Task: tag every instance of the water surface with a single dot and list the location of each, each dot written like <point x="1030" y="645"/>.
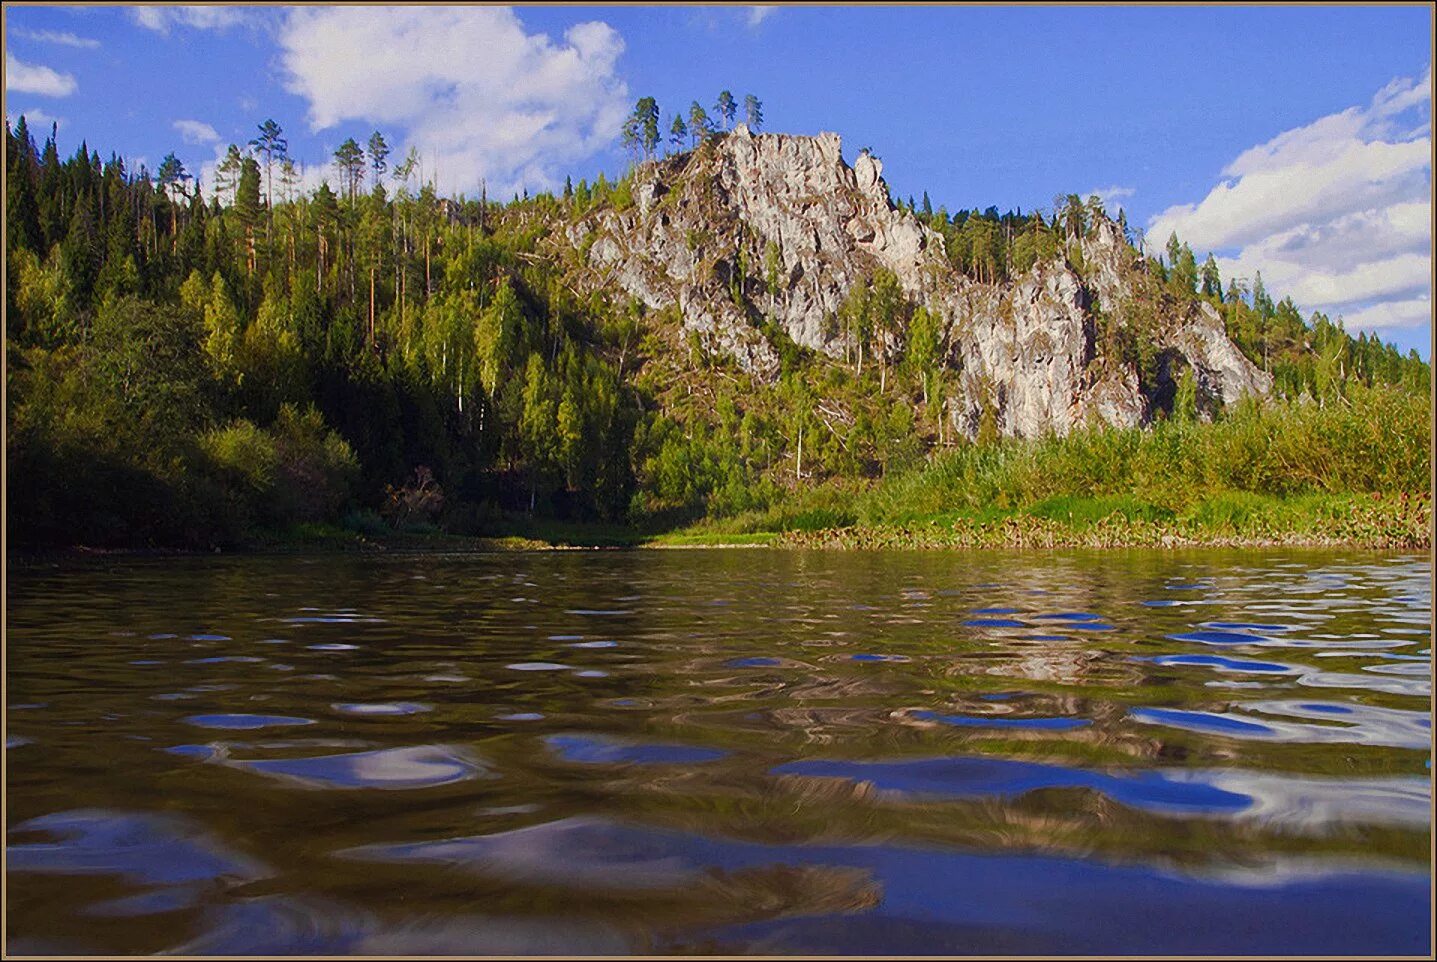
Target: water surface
<point x="721" y="751"/>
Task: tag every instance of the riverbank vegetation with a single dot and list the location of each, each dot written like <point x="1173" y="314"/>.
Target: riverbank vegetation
<point x="1355" y="471"/>
<point x="273" y="364"/>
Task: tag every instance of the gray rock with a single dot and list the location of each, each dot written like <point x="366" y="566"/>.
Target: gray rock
<point x="1026" y="353"/>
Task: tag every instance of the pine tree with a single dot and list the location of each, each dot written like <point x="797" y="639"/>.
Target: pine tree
<point x="21" y="207"/>
<point x="1261" y="302"/>
<point x="349" y="162"/>
<point x="1211" y="279"/>
<point x="727" y="108"/>
<point x="698" y="123"/>
<point x="1174" y="250"/>
<point x="378" y="154"/>
<point x="629" y="136"/>
<point x="1185" y="271"/>
<point x="646" y="112"/>
<point x="172" y="176"/>
<point x="227" y="175"/>
<point x="248" y="207"/>
<point x="271" y="143"/>
<point x="324" y="211"/>
<point x="753" y="113"/>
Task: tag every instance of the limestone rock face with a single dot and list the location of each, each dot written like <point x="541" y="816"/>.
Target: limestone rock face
<point x="755" y="228"/>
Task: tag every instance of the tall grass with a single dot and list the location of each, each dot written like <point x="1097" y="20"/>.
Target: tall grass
<point x="1374" y="440"/>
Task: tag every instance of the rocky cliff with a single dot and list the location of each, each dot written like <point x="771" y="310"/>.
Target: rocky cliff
<point x="712" y="230"/>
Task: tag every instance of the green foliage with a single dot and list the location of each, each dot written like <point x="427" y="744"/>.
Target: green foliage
<point x="194" y="371"/>
<point x="772" y="268"/>
<point x="753" y="113"/>
<point x="296" y="471"/>
<point x="699" y="129"/>
<point x="1379" y="441"/>
<point x="315" y="469"/>
<point x="1185" y="401"/>
<point x="726" y="108"/>
<point x="242" y="458"/>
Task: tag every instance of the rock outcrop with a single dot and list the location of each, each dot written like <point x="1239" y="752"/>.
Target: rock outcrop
<point x="777" y="227"/>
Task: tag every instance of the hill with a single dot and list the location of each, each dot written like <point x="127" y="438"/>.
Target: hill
<point x="760" y="239"/>
<point x="719" y="334"/>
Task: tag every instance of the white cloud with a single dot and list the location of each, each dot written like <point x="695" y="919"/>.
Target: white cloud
<point x="37" y="120"/>
<point x="481" y="97"/>
<point x="1337" y="213"/>
<point x="27" y="78"/>
<point x="196" y="132"/>
<point x="208" y="17"/>
<point x="1391" y="315"/>
<point x="63" y="38"/>
<point x="758" y="14"/>
<point x="1333" y="291"/>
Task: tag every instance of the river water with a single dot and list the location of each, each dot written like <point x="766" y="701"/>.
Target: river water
<point x="721" y="751"/>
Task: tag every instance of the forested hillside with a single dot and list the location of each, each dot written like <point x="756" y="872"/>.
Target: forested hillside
<point x="188" y="368"/>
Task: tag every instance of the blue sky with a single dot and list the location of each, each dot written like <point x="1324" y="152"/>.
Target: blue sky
<point x="1291" y="140"/>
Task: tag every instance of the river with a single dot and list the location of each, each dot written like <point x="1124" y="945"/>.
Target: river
<point x="736" y="751"/>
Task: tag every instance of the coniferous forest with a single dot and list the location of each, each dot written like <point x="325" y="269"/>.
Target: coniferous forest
<point x="197" y="368"/>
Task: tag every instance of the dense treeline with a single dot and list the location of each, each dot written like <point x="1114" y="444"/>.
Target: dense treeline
<point x="187" y="368"/>
<point x="182" y="368"/>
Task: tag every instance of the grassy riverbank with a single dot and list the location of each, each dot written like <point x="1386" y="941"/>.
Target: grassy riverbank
<point x="1352" y="471"/>
<point x="1235" y="519"/>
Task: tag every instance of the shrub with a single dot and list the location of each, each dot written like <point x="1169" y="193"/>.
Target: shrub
<point x="295" y="472"/>
<point x="315" y="468"/>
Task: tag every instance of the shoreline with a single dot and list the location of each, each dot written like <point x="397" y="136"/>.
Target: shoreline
<point x="1370" y="522"/>
<point x="912" y="537"/>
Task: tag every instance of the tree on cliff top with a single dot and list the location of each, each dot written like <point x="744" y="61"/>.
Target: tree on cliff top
<point x="726" y="108"/>
<point x="753" y="113"/>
